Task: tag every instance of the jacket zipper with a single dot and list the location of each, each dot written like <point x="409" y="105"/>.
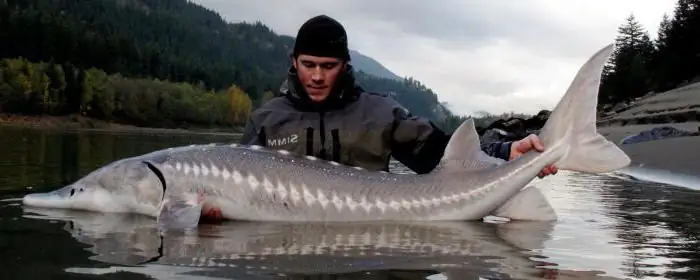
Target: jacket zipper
<point x="322" y="131"/>
<point x="309" y="141"/>
<point x="336" y="144"/>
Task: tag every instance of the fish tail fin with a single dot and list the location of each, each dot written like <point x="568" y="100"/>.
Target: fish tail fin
<point x="572" y="124"/>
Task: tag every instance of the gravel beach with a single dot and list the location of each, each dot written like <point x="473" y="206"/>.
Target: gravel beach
<point x="681" y="154"/>
<point x="680" y="109"/>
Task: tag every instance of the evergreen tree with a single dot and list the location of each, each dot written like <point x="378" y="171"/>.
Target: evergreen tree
<point x="628" y="75"/>
<point x="662" y="60"/>
<point x="679" y="46"/>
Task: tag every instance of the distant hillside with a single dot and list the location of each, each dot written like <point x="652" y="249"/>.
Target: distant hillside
<point x="370" y="66"/>
<point x="154" y="63"/>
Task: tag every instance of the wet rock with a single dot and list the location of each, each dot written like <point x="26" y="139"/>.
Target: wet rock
<point x="513" y="129"/>
<point x="657" y="133"/>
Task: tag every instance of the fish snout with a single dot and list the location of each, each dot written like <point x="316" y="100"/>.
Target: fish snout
<point x="41" y="199"/>
<point x="56" y="198"/>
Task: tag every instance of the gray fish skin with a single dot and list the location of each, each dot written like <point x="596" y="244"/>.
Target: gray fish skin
<point x="252" y="183"/>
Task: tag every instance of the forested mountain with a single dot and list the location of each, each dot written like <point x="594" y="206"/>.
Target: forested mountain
<point x="370" y="66"/>
<point x="151" y="63"/>
<point x="172" y="63"/>
<point x="640" y="65"/>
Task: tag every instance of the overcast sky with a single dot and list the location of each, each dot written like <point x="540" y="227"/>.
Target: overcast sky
<point x="495" y="56"/>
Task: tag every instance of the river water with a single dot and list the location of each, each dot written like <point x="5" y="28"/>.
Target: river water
<point x="609" y="227"/>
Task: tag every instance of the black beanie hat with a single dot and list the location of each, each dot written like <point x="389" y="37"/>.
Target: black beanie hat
<point x="322" y="36"/>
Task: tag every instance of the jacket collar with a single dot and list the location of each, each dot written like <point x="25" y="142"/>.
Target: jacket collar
<point x="343" y="93"/>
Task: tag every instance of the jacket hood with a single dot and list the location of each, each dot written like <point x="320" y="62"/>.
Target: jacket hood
<point x="344" y="92"/>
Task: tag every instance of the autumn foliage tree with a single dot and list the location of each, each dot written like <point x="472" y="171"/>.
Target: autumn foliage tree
<point x="43" y="88"/>
<point x="240" y="104"/>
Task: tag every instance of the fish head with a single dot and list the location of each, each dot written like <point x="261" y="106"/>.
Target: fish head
<point x="122" y="185"/>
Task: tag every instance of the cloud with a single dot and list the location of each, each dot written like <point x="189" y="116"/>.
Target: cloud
<point x="495" y="56"/>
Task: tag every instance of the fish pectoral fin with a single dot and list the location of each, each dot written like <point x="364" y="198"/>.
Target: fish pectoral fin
<point x="181" y="211"/>
<point x="528" y="205"/>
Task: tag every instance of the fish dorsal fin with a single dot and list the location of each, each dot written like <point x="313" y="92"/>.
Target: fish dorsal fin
<point x="464" y="152"/>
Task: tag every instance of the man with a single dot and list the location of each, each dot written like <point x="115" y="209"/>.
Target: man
<point x="321" y="112"/>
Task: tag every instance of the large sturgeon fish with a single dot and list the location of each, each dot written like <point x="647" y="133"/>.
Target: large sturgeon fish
<point x="253" y="183"/>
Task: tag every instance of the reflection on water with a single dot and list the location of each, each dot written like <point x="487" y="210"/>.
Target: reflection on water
<point x="35" y="159"/>
<point x="663" y="225"/>
<point x="607" y="227"/>
<point x="663" y="176"/>
<point x="307" y="249"/>
<point x="625" y="227"/>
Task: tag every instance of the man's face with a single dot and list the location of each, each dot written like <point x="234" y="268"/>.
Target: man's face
<point x="318" y="74"/>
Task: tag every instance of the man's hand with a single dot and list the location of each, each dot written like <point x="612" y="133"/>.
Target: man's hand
<point x="526" y="144"/>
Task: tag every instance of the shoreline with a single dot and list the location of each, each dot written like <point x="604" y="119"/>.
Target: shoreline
<point x="678" y="105"/>
<point x="670" y="160"/>
<point x="81" y="123"/>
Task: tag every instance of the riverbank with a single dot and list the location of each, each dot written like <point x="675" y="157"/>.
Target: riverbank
<point x="77" y="122"/>
<point x="679" y="109"/>
<point x="678" y="154"/>
<point x="674" y="106"/>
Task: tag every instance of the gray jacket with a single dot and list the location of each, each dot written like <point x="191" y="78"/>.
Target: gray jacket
<point x="352" y="126"/>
